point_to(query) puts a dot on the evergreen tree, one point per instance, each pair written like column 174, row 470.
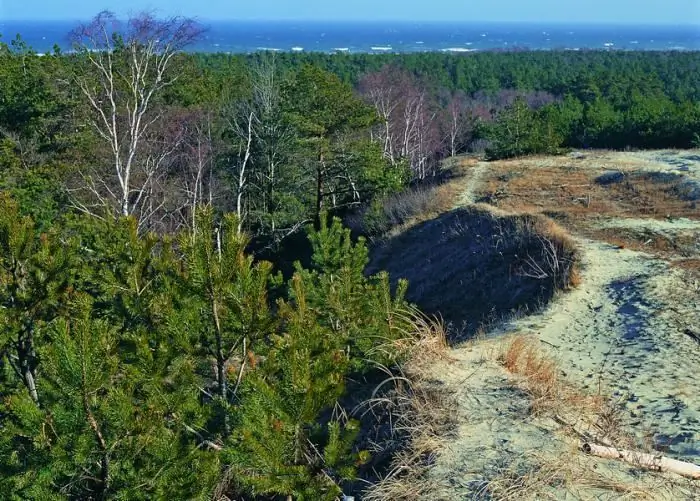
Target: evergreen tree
column 224, row 307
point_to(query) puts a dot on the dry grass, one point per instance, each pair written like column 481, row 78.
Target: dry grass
column 559, row 185
column 582, row 418
column 402, row 211
column 690, row 265
column 573, row 476
column 680, row 249
column 581, row 193
column 422, row 416
column 541, row 380
column 588, row 417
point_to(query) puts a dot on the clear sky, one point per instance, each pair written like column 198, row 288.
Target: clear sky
column 608, row 11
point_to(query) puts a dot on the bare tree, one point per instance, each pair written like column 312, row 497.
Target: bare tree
column 127, row 68
column 262, row 141
column 197, row 173
column 459, row 122
column 242, row 125
column 409, row 128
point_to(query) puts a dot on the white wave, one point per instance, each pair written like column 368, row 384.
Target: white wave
column 458, row 49
column 382, row 48
column 268, row 49
column 608, row 44
column 420, row 43
column 297, row 49
column 342, row 49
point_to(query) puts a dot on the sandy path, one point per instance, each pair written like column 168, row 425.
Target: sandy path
column 622, row 332
column 686, row 163
column 473, row 182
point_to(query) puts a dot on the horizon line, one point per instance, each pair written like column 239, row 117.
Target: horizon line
column 694, row 24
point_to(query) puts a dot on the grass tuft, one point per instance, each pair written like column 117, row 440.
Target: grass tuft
column 420, row 414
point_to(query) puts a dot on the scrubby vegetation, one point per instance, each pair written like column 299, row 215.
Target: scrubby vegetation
column 150, row 367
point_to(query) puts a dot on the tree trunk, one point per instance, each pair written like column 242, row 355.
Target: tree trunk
column 319, row 190
column 220, row 367
column 99, row 438
column 25, row 354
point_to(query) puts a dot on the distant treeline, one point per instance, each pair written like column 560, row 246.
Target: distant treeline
column 282, row 136
column 579, row 99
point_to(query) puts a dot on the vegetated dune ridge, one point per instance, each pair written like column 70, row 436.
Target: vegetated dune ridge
column 630, row 331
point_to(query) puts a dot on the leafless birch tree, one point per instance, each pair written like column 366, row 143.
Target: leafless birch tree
column 126, row 68
column 409, row 129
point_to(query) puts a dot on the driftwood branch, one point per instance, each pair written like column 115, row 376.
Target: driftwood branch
column 644, row 460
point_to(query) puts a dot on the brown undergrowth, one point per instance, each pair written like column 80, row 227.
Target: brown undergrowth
column 541, row 379
column 401, row 211
column 560, row 184
column 584, row 194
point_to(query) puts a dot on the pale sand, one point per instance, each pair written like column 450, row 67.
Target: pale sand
column 620, row 333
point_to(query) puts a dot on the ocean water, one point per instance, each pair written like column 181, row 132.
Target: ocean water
column 383, row 37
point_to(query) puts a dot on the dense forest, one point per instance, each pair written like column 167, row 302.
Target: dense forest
column 182, row 314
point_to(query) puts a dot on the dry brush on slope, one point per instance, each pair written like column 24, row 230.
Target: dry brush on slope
column 474, row 267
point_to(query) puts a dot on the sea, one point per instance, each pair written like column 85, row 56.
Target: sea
column 394, row 37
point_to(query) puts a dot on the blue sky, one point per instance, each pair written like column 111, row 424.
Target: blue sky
column 610, row 11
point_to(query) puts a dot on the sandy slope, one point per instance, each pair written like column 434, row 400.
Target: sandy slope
column 623, row 332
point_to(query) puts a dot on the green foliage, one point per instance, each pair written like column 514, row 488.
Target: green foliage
column 158, row 366
column 336, row 322
column 514, row 133
column 223, row 307
column 136, row 367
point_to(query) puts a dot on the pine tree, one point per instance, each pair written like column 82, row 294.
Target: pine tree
column 34, row 274
column 115, row 406
column 225, row 309
column 287, row 441
column 280, row 445
column 362, row 311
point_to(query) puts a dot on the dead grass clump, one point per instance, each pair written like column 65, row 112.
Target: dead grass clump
column 423, row 341
column 402, row 210
column 691, row 265
column 542, row 381
column 573, row 476
column 419, row 415
column 558, row 257
column 541, row 376
column 679, row 248
column 425, row 417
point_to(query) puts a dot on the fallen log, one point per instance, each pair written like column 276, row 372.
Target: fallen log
column 644, row 460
